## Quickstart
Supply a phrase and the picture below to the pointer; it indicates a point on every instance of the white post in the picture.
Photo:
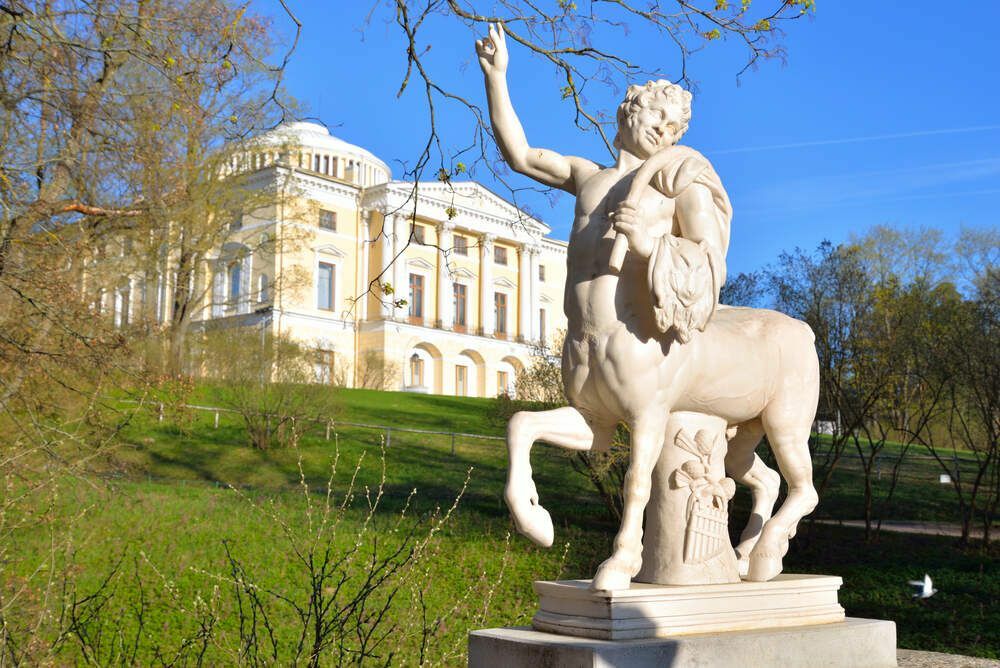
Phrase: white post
(384, 272)
(400, 283)
(486, 284)
(536, 292)
(524, 331)
(445, 313)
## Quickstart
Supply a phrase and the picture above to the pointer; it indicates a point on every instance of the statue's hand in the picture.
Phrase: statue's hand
(641, 237)
(492, 52)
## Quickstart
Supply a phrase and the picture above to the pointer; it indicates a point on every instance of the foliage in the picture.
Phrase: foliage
(905, 357)
(266, 380)
(114, 117)
(744, 289)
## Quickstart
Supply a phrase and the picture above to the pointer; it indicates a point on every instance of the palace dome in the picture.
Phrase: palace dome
(322, 153)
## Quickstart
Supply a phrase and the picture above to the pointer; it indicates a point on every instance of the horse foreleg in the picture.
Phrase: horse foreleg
(563, 427)
(746, 468)
(626, 560)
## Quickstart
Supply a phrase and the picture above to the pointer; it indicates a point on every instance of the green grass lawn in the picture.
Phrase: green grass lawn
(166, 517)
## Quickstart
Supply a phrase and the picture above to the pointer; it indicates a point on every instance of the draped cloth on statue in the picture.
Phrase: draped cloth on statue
(686, 274)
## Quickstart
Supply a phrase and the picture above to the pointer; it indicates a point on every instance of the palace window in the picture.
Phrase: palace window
(235, 281)
(461, 245)
(461, 321)
(461, 380)
(325, 366)
(499, 254)
(263, 288)
(325, 283)
(416, 297)
(328, 220)
(541, 326)
(500, 311)
(123, 304)
(418, 233)
(541, 273)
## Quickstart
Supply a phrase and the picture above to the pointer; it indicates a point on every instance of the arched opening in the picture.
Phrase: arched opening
(474, 372)
(422, 369)
(509, 370)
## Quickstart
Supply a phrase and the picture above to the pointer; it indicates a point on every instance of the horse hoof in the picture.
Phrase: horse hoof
(743, 566)
(762, 569)
(610, 577)
(535, 523)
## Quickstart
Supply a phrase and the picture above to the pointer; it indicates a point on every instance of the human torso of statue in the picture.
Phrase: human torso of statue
(594, 303)
(609, 314)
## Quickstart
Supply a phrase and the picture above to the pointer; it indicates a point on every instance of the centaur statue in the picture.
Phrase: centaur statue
(647, 340)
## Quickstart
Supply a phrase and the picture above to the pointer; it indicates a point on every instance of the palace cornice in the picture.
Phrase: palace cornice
(332, 321)
(555, 245)
(316, 184)
(433, 202)
(433, 334)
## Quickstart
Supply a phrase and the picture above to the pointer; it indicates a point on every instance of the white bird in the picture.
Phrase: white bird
(926, 587)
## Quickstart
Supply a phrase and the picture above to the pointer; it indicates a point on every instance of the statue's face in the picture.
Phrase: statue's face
(647, 128)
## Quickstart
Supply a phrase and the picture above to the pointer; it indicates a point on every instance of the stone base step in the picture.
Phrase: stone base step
(851, 643)
(569, 607)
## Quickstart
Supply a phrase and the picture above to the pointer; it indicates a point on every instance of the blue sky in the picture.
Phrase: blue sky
(880, 115)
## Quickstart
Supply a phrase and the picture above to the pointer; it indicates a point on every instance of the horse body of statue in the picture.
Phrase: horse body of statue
(646, 338)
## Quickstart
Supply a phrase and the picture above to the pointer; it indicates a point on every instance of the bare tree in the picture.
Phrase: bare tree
(98, 99)
(580, 43)
(375, 372)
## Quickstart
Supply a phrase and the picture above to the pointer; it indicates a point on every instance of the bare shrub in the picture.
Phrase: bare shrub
(375, 372)
(269, 381)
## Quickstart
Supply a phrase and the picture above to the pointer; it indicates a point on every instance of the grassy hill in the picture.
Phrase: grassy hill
(163, 520)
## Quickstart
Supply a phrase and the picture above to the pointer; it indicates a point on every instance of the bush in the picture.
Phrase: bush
(270, 384)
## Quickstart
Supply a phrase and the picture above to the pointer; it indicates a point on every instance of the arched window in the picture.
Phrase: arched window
(263, 288)
(123, 304)
(235, 281)
(416, 370)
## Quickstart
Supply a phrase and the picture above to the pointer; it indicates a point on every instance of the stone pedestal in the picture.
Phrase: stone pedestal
(570, 607)
(851, 643)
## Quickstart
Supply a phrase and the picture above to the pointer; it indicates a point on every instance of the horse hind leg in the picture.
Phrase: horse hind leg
(789, 439)
(564, 427)
(746, 468)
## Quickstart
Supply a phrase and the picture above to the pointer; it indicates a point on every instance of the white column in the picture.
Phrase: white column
(486, 314)
(365, 250)
(400, 281)
(535, 301)
(524, 295)
(445, 313)
(384, 271)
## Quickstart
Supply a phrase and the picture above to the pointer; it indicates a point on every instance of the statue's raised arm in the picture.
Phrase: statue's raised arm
(542, 165)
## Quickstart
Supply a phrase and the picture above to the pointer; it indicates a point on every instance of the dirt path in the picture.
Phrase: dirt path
(910, 658)
(927, 528)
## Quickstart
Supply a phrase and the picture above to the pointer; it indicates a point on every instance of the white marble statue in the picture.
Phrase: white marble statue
(649, 345)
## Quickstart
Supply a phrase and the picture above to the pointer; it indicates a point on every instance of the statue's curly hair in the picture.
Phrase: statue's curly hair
(661, 93)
